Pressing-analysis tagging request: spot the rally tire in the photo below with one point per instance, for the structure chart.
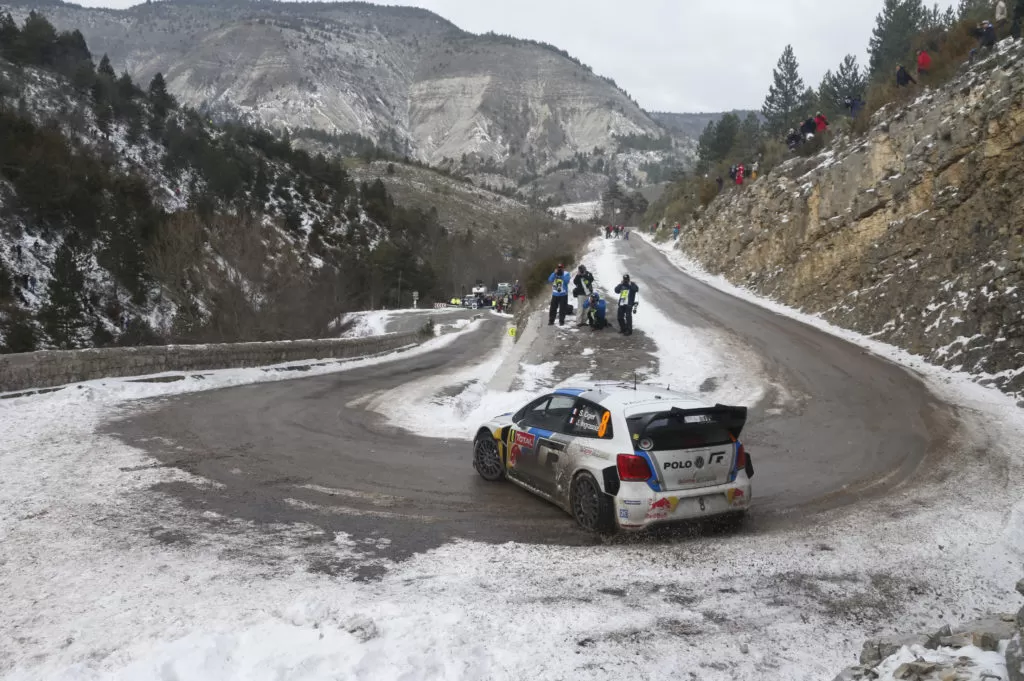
(487, 458)
(592, 509)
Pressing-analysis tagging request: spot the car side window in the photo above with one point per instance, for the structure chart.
(558, 412)
(590, 421)
(533, 414)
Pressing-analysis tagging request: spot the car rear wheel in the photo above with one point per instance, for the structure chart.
(591, 507)
(487, 459)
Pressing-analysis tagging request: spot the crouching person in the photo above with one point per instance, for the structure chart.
(597, 312)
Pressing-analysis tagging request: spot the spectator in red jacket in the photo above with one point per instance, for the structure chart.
(924, 62)
(820, 123)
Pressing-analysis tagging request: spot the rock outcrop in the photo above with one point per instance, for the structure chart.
(970, 651)
(912, 233)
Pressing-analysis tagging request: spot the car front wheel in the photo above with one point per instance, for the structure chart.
(592, 508)
(487, 459)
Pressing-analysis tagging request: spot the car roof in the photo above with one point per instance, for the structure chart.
(632, 398)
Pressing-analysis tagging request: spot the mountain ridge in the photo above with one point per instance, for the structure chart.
(404, 78)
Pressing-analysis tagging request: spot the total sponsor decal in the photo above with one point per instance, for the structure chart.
(519, 441)
(735, 497)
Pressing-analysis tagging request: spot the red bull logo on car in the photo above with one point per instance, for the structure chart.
(662, 507)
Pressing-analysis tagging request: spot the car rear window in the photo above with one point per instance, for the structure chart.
(671, 433)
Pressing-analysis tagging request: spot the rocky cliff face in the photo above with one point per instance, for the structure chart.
(405, 78)
(913, 234)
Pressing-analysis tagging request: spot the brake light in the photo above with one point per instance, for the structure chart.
(741, 456)
(633, 468)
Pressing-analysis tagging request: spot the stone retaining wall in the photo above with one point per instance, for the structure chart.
(50, 368)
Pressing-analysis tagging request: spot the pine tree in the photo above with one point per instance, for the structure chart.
(105, 69)
(974, 10)
(125, 87)
(63, 316)
(158, 95)
(104, 116)
(846, 83)
(748, 141)
(937, 18)
(782, 106)
(9, 35)
(892, 38)
(37, 42)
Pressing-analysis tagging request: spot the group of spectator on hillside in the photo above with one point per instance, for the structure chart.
(814, 125)
(987, 32)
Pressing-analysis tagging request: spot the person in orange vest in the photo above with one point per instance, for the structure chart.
(924, 62)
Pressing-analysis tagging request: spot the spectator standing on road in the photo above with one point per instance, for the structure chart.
(739, 174)
(903, 77)
(627, 292)
(753, 171)
(924, 62)
(820, 123)
(584, 286)
(559, 281)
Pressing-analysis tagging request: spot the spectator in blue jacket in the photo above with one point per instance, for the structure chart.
(559, 281)
(597, 312)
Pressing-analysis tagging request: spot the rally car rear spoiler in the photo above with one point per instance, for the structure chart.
(732, 419)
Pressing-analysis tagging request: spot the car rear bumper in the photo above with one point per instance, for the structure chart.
(637, 506)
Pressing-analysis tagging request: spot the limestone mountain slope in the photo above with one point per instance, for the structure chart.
(404, 78)
(913, 234)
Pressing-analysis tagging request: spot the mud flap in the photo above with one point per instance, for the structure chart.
(750, 466)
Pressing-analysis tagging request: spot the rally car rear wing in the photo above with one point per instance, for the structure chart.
(704, 426)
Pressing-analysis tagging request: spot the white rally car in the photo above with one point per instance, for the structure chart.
(622, 456)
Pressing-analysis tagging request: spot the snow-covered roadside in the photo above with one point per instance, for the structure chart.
(453, 405)
(369, 323)
(686, 356)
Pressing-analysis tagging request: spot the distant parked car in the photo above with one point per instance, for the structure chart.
(622, 457)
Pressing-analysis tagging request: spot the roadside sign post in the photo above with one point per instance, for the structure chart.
(415, 298)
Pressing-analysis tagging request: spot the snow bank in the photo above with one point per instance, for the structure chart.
(686, 356)
(586, 210)
(370, 323)
(452, 405)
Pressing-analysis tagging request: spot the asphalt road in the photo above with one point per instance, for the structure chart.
(859, 424)
(304, 450)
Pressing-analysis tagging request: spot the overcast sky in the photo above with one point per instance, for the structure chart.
(675, 55)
